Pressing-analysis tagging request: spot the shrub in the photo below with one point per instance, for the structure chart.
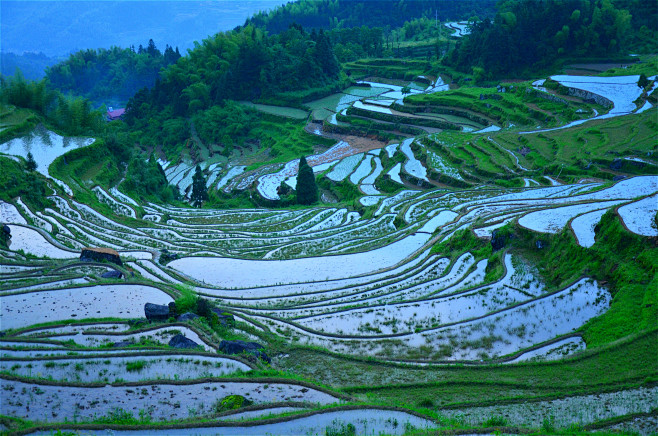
(187, 302)
(204, 307)
(232, 402)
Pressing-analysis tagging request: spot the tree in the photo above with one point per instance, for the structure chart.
(199, 190)
(643, 82)
(31, 163)
(307, 190)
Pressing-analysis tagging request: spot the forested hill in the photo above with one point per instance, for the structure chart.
(529, 35)
(245, 64)
(111, 76)
(331, 14)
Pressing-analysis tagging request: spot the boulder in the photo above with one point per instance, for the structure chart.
(180, 341)
(238, 347)
(498, 240)
(100, 255)
(187, 316)
(125, 343)
(618, 178)
(6, 230)
(156, 312)
(114, 274)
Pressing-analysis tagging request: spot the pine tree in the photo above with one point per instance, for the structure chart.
(199, 190)
(31, 163)
(307, 190)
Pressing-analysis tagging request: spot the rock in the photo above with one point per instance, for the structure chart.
(100, 255)
(126, 343)
(156, 312)
(6, 230)
(180, 341)
(498, 240)
(618, 178)
(225, 319)
(114, 274)
(166, 256)
(238, 347)
(187, 316)
(616, 164)
(172, 308)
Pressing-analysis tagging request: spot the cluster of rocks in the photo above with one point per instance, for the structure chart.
(242, 347)
(159, 312)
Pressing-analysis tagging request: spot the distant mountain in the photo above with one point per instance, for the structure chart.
(58, 28)
(32, 65)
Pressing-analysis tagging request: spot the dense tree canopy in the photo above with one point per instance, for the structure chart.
(73, 115)
(199, 190)
(333, 14)
(115, 74)
(534, 34)
(307, 189)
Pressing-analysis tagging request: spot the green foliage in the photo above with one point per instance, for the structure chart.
(118, 416)
(307, 190)
(147, 180)
(72, 115)
(113, 74)
(199, 190)
(341, 429)
(16, 182)
(461, 242)
(351, 14)
(244, 64)
(495, 421)
(528, 35)
(187, 302)
(30, 164)
(135, 365)
(626, 261)
(204, 307)
(231, 402)
(226, 124)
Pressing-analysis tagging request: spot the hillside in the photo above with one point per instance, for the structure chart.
(334, 231)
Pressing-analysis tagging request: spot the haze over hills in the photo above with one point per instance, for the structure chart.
(58, 28)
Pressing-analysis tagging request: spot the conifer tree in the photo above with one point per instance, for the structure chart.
(31, 163)
(307, 190)
(199, 190)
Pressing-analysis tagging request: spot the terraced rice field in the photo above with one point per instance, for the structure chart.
(407, 275)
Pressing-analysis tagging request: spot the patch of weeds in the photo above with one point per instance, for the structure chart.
(136, 365)
(495, 421)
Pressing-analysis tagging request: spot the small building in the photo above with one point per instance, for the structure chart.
(115, 114)
(99, 255)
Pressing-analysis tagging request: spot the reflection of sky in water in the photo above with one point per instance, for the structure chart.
(45, 146)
